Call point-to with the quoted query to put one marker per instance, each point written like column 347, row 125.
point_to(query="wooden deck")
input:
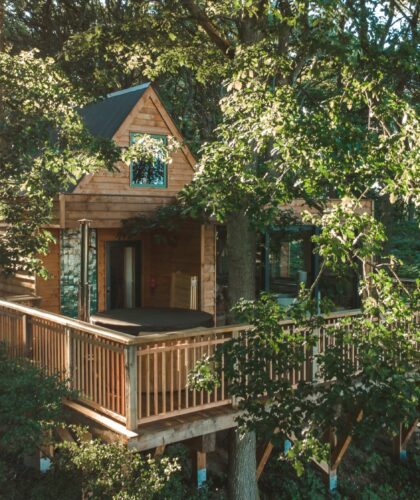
column 135, row 388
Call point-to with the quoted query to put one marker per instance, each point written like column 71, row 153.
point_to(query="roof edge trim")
column 131, row 89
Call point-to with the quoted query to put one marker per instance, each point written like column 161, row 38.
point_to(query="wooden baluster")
column 186, row 375
column 69, row 357
column 178, row 366
column 155, row 381
column 140, row 383
column 148, row 383
column 315, row 352
column 172, row 378
column 164, row 357
column 27, row 336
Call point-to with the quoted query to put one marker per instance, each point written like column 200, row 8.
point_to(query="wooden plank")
column 101, row 419
column 151, row 436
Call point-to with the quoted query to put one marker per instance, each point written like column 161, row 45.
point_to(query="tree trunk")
column 241, row 247
column 242, row 466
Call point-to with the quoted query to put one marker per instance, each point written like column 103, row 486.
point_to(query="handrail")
column 146, row 337
column 123, row 338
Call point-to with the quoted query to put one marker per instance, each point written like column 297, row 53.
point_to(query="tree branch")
column 214, row 34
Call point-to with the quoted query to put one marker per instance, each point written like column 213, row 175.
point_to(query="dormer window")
column 148, row 173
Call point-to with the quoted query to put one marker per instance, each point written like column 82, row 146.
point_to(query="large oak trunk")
column 241, row 241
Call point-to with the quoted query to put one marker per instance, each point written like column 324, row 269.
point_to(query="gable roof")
column 103, row 118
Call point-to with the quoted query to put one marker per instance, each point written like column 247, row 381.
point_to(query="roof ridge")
column 131, row 89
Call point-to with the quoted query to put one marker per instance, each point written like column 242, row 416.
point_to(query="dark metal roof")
column 103, row 118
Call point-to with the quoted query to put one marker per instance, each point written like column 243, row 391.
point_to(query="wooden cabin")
column 187, row 272
column 124, row 273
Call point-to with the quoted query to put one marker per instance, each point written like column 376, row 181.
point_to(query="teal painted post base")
column 403, row 455
column 287, row 446
column 201, row 477
column 332, row 481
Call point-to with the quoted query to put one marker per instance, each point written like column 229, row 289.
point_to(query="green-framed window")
column 151, row 174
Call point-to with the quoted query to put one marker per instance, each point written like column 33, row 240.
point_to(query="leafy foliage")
column 114, row 471
column 365, row 393
column 30, row 404
column 30, row 407
column 44, row 148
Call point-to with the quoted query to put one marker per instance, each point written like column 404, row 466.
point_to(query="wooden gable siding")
column 107, row 197
column 107, row 210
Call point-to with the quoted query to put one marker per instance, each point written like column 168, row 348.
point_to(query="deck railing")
column 131, row 379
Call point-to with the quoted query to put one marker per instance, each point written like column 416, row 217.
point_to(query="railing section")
column 134, row 380
column 90, row 359
column 162, row 373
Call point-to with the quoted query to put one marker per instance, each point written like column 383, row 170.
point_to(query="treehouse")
column 157, row 305
column 175, row 284
column 127, row 273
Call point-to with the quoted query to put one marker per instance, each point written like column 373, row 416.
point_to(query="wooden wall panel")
column 107, row 211
column 18, row 284
column 182, row 255
column 49, row 290
column 159, row 260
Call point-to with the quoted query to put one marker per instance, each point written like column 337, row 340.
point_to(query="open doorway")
column 123, row 274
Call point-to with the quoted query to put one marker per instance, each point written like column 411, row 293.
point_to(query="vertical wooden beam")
column 400, row 441
column 27, row 337
column 62, row 204
column 130, row 365
column 332, row 480
column 314, row 360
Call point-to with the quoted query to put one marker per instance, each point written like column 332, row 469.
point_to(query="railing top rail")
column 122, row 338
column 145, row 337
column 149, row 337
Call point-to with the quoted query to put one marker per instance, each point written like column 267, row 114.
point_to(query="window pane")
column 148, row 173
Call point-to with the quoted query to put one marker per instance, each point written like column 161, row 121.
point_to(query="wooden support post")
column 201, row 468
column 199, row 447
column 332, row 480
column 235, row 399
column 205, row 443
column 400, row 441
column 130, row 364
column 27, row 336
column 287, row 445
